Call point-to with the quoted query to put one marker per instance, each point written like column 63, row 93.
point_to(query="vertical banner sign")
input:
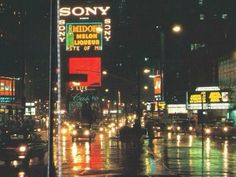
column 157, row 85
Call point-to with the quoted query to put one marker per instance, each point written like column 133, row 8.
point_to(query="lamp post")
column 53, row 56
column 202, row 122
column 176, row 28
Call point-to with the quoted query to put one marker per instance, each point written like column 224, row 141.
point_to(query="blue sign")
column 7, row 99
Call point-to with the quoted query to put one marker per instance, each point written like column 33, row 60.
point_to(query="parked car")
column 21, row 146
column 83, row 132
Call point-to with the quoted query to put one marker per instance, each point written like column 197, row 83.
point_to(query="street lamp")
column 145, row 87
column 146, row 71
column 104, row 72
column 176, row 28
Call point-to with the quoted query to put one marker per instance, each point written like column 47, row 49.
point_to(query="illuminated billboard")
column 208, row 100
column 84, row 29
column 7, row 87
column 7, row 90
column 89, row 66
column 157, row 87
column 83, row 36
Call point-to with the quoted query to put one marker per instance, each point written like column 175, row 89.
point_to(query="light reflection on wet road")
column 182, row 154
column 107, row 156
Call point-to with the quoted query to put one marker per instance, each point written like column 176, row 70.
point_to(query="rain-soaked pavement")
column 107, row 156
column 167, row 155
column 182, row 154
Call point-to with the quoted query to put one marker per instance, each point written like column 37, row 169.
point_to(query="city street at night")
column 168, row 155
column 126, row 88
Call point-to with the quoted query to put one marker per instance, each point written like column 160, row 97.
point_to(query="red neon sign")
column 90, row 66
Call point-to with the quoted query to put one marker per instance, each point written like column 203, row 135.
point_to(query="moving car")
column 182, row 126
column 223, row 130
column 83, row 132
column 20, row 146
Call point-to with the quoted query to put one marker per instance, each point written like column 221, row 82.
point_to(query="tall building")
column 212, row 37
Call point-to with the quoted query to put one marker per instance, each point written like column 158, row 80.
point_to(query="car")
column 222, row 131
column 20, row 146
column 182, row 126
column 83, row 132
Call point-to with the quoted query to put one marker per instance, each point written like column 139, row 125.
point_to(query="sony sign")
column 83, row 11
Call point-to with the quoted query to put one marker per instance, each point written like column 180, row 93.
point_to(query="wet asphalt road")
column 107, row 156
column 184, row 155
column 166, row 155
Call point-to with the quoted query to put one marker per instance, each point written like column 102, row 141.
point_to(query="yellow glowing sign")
column 197, row 98
column 161, row 105
column 83, row 36
column 208, row 97
column 214, row 97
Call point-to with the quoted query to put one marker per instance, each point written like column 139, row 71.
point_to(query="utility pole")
column 52, row 63
column 162, row 63
column 202, row 122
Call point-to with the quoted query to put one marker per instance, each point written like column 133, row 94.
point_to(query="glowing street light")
column 145, row 87
column 146, row 71
column 177, row 28
column 104, row 72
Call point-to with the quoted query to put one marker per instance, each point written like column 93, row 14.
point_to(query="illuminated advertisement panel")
column 7, row 90
column 83, row 36
column 197, row 97
column 87, row 35
column 90, row 66
column 157, row 85
column 7, row 87
column 208, row 100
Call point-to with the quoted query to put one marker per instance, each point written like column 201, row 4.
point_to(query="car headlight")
column 74, row 132
column 23, row 148
column 86, row 132
column 190, row 128
column 207, row 131
column 225, row 129
column 178, row 128
column 39, row 130
column 169, row 128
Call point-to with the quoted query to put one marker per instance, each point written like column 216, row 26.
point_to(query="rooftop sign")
column 84, row 11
